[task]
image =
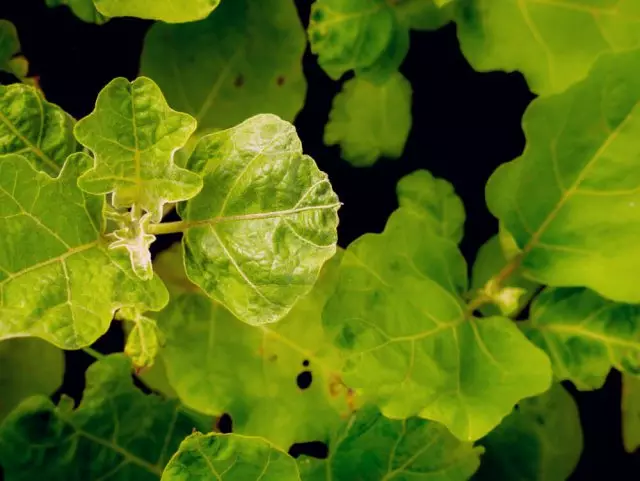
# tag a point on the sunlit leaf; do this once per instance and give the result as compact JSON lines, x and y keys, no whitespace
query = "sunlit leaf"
{"x":142,"y":342}
{"x":264,"y":223}
{"x":34,"y":128}
{"x":85,"y":10}
{"x":371,"y":447}
{"x":244,"y":60}
{"x":370,"y":120}
{"x":540,"y":441}
{"x":554,"y":43}
{"x":171,"y":11}
{"x":28,"y":366}
{"x":116,"y":433}
{"x":54,"y":259}
{"x":572,"y":202}
{"x":230,"y":457}
{"x":631,"y":412}
{"x":133,"y":135}
{"x":585,"y":335}
{"x":411,"y":345}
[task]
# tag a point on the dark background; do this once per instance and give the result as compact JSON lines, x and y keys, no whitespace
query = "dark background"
{"x":465,"y":124}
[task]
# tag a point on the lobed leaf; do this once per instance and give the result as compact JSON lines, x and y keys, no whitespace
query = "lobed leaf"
{"x":117,"y":432}
{"x":370,"y":120}
{"x":630,"y":412}
{"x":85,"y":10}
{"x":230,"y":457}
{"x":539,"y":441}
{"x":585,"y":335}
{"x":34,"y":128}
{"x":28,"y":366}
{"x":411,"y":345}
{"x":264,"y":223}
{"x":435,"y":200}
{"x":54,"y":259}
{"x":370,"y":446}
{"x":171,"y":11}
{"x":553,"y":43}
{"x":243,"y":60}
{"x":133,"y":135}
{"x":571,"y":201}
{"x":203,"y":339}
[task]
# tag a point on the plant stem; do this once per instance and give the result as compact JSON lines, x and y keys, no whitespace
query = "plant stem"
{"x":93,"y":353}
{"x":168,"y":227}
{"x":499,"y":279}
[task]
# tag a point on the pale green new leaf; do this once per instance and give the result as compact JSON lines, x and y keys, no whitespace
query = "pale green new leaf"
{"x":171,"y":11}
{"x":541,"y":440}
{"x":361,"y":35}
{"x":244,"y":60}
{"x":142,"y":343}
{"x":203,"y":339}
{"x":264,"y":223}
{"x":133,"y":135}
{"x":54,"y":259}
{"x":585,"y":335}
{"x":28,"y":366}
{"x":370,"y":120}
{"x":368,"y":446}
{"x":116,"y":433}
{"x":572,"y":201}
{"x":230,"y":457}
{"x":435,"y":200}
{"x":554,"y":43}
{"x":411,"y":345}
{"x":424,"y":14}
{"x":631,"y":412}
{"x":34,"y":128}
{"x":85,"y":10}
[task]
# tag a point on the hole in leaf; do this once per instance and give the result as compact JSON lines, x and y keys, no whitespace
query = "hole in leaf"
{"x":224,"y":424}
{"x":304,"y":379}
{"x":305,"y":363}
{"x":315,"y":449}
{"x":239,"y":81}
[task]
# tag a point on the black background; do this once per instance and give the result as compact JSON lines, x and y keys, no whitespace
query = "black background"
{"x":465,"y":124}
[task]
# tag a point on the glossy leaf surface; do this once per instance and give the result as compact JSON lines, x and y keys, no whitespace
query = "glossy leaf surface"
{"x":53,"y":259}
{"x":117,"y":432}
{"x":410,"y":343}
{"x":370,"y":446}
{"x":133,"y":135}
{"x":244,"y":60}
{"x":230,"y":457}
{"x":264,"y":223}
{"x":370,"y":120}
{"x":631,"y":412}
{"x":572,"y":201}
{"x":34,"y":128}
{"x":171,"y":11}
{"x":585,"y":335}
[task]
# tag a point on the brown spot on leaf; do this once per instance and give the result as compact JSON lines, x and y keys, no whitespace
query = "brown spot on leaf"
{"x":239,"y":81}
{"x":280,"y":80}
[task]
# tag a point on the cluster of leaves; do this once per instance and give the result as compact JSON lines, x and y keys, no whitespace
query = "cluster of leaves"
{"x":406,"y":366}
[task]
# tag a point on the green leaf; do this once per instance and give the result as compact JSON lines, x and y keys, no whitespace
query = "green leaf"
{"x":142,"y":342}
{"x":435,"y":200}
{"x":230,"y":457}
{"x":408,"y":449}
{"x":244,"y":60}
{"x":540,"y":441}
{"x":171,"y":11}
{"x":489,"y":261}
{"x":9,"y":50}
{"x":29,"y":366}
{"x":264,"y":223}
{"x":424,"y":14}
{"x":203,"y":339}
{"x":412,"y":348}
{"x":117,"y":432}
{"x":630,"y":412}
{"x":370,"y":120}
{"x":54,"y":259}
{"x":585,"y":335}
{"x":85,"y":10}
{"x":34,"y":128}
{"x":133,"y":135}
{"x":360,"y":35}
{"x":553,"y":43}
{"x":572,"y":202}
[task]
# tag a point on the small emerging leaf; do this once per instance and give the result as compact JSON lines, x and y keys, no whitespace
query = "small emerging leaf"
{"x":9,"y":50}
{"x":85,"y":10}
{"x":142,"y":343}
{"x":171,"y":11}
{"x":264,"y":223}
{"x":370,"y":121}
{"x":409,"y":449}
{"x":630,"y":412}
{"x":28,"y":366}
{"x":133,"y":135}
